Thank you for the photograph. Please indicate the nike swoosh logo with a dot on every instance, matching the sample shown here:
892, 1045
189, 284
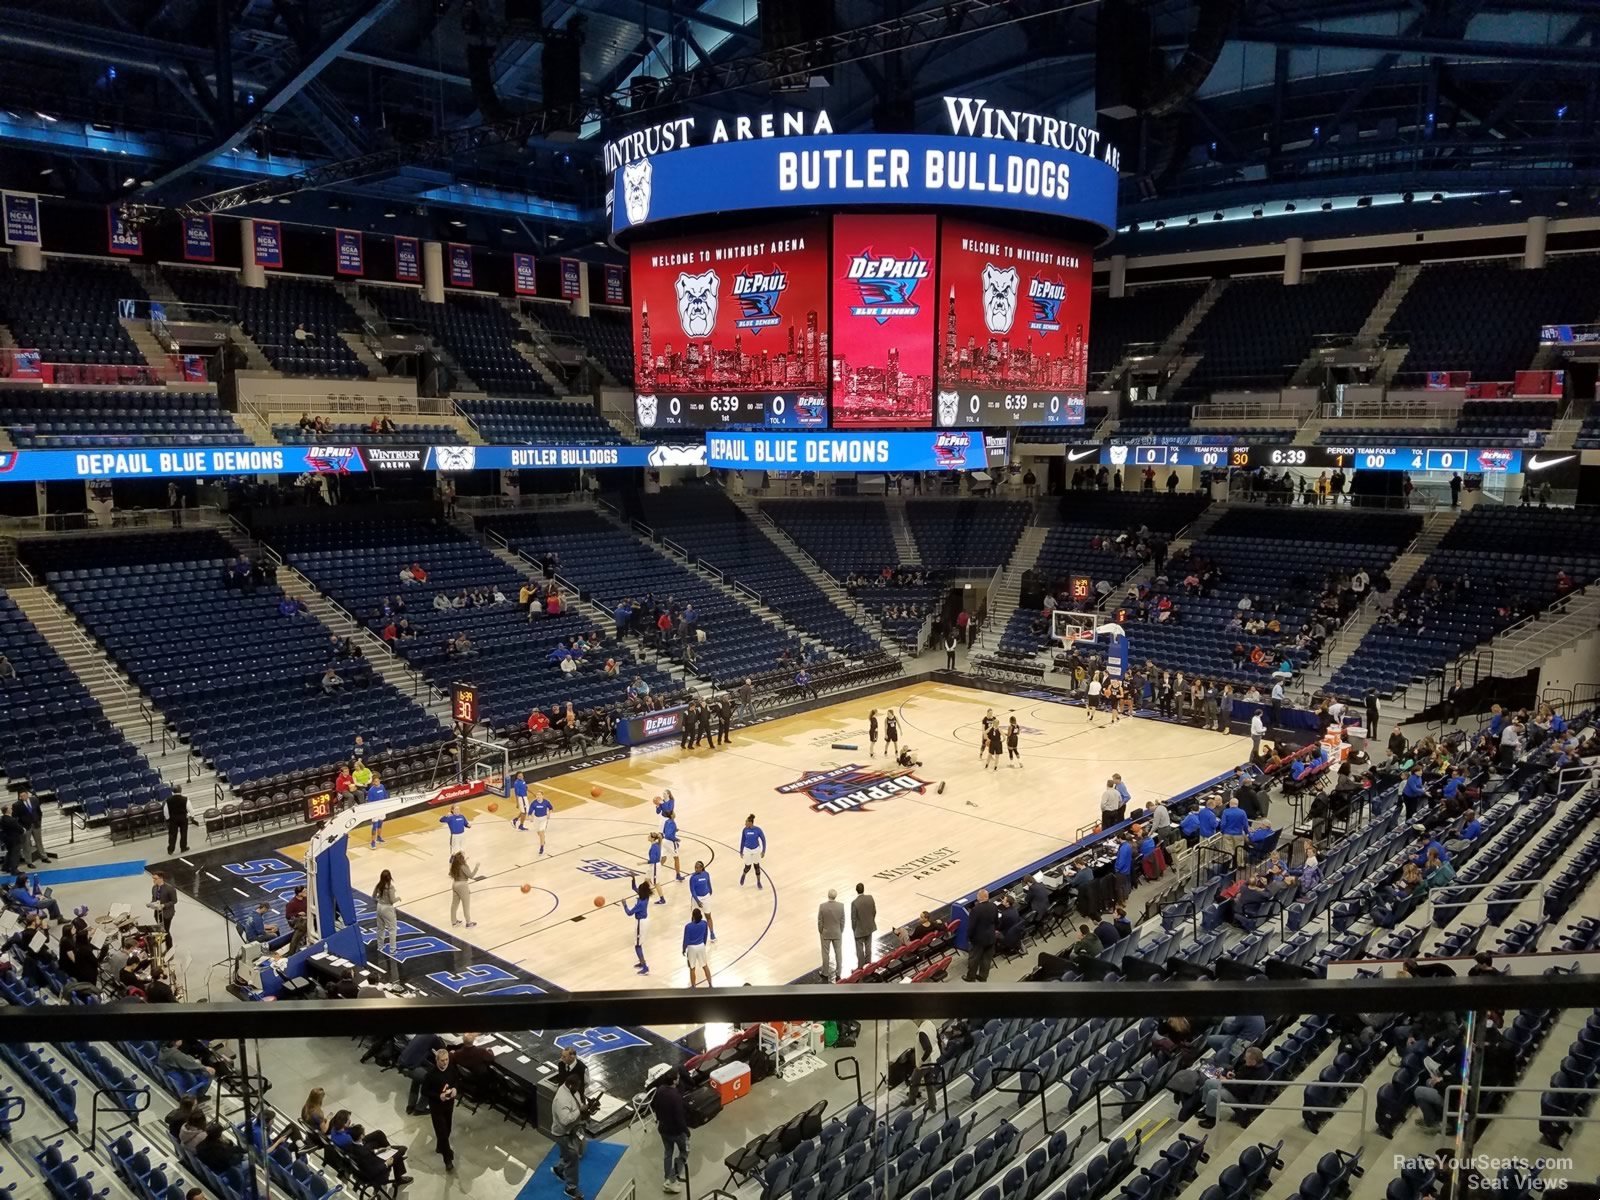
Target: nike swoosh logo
1076, 455
1537, 464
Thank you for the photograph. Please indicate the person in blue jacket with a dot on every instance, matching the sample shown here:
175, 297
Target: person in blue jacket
669, 837
695, 934
700, 895
519, 792
1124, 864
639, 910
458, 826
653, 857
752, 848
376, 791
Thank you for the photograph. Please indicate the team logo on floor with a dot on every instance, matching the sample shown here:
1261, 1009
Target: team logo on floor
851, 788
602, 869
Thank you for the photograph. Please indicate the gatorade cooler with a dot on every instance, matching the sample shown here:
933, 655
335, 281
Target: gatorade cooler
731, 1081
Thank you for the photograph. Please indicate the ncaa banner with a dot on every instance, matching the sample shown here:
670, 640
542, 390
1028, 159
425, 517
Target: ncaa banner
407, 260
122, 236
523, 279
460, 265
947, 450
199, 239
268, 244
21, 219
616, 284
571, 278
347, 252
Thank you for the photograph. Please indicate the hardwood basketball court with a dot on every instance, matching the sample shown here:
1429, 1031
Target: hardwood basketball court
913, 850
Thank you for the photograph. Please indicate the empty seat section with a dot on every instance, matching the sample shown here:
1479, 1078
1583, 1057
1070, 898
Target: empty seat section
68, 311
966, 537
476, 330
234, 676
514, 421
273, 314
70, 418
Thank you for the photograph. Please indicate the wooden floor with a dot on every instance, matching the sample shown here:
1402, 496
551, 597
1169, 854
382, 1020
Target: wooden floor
914, 851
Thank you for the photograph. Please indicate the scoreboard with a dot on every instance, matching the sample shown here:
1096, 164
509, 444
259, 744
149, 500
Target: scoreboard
1473, 460
772, 410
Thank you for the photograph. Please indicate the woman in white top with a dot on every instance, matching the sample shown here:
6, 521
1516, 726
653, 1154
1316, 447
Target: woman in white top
1095, 688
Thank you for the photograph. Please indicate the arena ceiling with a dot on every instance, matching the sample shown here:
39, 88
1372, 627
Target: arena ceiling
434, 116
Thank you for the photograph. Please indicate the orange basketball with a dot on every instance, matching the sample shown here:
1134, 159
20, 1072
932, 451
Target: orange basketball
526, 888
594, 791
599, 901
494, 806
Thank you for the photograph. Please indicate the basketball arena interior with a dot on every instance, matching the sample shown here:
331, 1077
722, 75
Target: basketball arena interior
799, 599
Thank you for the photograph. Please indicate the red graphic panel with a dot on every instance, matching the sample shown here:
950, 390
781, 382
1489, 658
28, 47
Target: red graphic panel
884, 297
742, 312
1014, 321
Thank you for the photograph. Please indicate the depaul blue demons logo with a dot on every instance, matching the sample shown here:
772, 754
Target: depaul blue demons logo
851, 788
886, 285
950, 449
757, 293
1046, 296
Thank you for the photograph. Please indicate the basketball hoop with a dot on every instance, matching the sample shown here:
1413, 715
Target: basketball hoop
1073, 628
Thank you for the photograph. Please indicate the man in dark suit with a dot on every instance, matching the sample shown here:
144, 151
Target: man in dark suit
32, 818
984, 923
1038, 897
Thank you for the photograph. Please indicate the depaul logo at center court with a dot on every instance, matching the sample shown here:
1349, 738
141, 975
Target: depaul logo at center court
851, 788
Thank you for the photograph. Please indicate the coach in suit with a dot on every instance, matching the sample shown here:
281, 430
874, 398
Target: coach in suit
830, 929
985, 921
863, 923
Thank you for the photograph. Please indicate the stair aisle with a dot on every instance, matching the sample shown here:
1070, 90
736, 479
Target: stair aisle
905, 544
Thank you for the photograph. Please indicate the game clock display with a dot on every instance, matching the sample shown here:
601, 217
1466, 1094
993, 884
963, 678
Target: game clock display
1013, 328
1444, 459
775, 410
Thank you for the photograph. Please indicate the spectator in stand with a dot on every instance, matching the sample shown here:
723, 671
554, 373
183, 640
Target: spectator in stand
441, 1084
1235, 826
1241, 1085
295, 909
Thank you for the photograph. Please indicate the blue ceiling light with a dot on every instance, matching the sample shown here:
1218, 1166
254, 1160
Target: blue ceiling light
1561, 113
356, 117
1316, 131
250, 99
111, 72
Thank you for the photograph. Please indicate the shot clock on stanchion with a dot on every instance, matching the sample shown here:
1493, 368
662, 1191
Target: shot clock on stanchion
464, 705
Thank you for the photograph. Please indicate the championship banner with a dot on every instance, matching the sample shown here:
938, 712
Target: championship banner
616, 284
22, 219
571, 278
460, 265
523, 279
268, 243
407, 260
122, 236
199, 239
347, 252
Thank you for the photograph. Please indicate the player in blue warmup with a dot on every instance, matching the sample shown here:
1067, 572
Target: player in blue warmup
654, 859
669, 836
700, 895
694, 946
519, 789
376, 791
639, 910
458, 826
541, 808
752, 848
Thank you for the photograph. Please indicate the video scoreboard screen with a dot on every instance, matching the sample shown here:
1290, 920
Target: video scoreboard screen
884, 269
1468, 460
1013, 328
731, 329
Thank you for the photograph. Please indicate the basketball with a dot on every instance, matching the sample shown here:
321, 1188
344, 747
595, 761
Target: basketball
594, 791
599, 901
494, 806
526, 888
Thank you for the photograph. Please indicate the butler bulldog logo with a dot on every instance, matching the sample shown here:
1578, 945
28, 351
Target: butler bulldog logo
455, 458
644, 408
677, 456
999, 297
636, 190
949, 407
1119, 455
697, 303
851, 788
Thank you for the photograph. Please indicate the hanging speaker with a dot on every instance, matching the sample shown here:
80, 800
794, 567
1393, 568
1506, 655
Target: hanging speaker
1121, 58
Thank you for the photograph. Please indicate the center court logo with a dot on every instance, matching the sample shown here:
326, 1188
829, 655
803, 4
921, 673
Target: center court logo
886, 284
851, 788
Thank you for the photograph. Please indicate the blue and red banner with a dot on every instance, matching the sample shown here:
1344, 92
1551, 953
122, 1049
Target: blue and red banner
616, 283
407, 260
523, 278
122, 235
347, 252
460, 265
268, 243
199, 239
21, 219
571, 278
